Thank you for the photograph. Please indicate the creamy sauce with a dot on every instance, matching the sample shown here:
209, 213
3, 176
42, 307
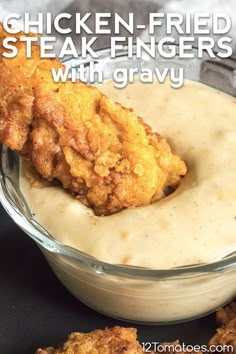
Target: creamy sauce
197, 223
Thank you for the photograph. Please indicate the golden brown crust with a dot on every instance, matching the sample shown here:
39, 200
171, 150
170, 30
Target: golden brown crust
124, 340
226, 334
97, 149
225, 314
117, 340
49, 350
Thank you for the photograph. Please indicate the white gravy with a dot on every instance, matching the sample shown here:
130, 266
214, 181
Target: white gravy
197, 223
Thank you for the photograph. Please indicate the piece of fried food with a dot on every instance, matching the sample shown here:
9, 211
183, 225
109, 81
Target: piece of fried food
117, 340
98, 150
225, 314
226, 334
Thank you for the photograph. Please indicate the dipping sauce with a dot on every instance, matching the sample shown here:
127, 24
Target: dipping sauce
195, 224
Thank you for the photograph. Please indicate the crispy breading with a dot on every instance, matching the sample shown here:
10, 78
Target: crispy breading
225, 314
226, 334
100, 151
116, 340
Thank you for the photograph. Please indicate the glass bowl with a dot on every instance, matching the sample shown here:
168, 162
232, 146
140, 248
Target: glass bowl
130, 293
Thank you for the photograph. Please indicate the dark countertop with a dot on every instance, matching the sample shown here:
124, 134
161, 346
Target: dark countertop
36, 310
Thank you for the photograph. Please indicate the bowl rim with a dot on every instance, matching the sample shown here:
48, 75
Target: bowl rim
43, 238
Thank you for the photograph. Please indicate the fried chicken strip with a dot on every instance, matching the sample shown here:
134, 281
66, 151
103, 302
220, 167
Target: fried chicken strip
119, 340
98, 150
116, 340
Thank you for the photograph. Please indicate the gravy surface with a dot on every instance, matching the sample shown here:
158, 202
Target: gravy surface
195, 224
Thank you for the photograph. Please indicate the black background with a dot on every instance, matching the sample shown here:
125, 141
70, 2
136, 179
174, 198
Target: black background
37, 311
